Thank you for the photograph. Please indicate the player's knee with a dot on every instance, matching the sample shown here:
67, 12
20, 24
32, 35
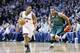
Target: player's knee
26, 39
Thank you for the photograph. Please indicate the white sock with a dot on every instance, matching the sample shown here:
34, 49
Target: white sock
52, 44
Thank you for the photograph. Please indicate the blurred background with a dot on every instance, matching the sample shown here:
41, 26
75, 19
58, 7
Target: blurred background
10, 10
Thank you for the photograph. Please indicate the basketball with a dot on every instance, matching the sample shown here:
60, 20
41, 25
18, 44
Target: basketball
67, 29
21, 21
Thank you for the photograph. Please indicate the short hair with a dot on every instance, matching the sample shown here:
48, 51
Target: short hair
27, 6
54, 11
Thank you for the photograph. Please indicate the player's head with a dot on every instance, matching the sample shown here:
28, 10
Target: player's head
29, 9
53, 12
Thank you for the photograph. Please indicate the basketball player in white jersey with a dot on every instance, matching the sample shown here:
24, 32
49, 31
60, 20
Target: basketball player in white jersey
29, 26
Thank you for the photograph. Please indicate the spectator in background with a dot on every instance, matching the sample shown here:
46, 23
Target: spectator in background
10, 9
12, 30
6, 33
16, 33
1, 32
44, 25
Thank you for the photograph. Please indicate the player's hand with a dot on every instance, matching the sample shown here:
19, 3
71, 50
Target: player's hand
21, 21
67, 28
35, 25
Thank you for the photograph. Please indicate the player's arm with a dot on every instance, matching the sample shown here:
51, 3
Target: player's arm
49, 20
20, 16
66, 19
68, 27
21, 20
34, 19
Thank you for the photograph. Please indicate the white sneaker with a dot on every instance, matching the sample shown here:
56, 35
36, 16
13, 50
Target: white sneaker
52, 45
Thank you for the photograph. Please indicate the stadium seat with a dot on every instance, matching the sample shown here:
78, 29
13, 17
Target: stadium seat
42, 37
70, 37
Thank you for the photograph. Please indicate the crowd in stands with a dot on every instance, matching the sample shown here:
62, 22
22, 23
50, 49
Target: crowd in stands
10, 10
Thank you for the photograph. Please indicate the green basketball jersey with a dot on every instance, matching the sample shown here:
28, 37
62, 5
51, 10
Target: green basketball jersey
57, 20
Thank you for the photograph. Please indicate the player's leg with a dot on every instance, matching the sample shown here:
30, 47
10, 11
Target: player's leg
52, 34
26, 43
52, 40
26, 38
59, 32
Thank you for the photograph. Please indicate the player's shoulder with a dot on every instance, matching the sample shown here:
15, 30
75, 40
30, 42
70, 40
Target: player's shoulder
22, 12
32, 13
61, 14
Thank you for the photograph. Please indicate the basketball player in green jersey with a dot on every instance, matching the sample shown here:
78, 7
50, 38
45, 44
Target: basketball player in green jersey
57, 22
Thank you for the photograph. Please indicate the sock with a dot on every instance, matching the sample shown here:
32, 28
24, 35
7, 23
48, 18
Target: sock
52, 44
27, 46
53, 40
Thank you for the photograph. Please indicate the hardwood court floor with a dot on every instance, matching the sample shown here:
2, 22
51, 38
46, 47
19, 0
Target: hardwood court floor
17, 47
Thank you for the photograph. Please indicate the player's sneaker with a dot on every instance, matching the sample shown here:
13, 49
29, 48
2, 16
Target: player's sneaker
52, 46
27, 48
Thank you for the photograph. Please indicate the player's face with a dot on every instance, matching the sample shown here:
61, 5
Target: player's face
29, 9
53, 12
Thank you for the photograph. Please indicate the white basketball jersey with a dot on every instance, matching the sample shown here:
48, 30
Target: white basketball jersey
28, 27
27, 17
